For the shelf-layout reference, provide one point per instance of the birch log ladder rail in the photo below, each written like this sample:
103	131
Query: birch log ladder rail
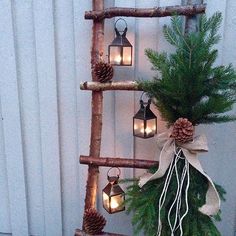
98	15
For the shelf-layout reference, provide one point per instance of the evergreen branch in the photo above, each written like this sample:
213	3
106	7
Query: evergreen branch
170	36
191	86
144	204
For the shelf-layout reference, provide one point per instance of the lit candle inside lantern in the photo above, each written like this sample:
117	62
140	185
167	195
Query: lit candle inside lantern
144	121
113	196
117	59
114	203
148	130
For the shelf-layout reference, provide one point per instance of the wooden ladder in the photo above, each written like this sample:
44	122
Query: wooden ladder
98	15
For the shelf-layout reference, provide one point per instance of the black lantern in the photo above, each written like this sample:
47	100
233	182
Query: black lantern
120	50
144	121
113	196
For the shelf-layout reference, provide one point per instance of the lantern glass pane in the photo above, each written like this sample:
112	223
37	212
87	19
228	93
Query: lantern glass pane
127	56
105	199
115	56
117	203
151	127
139	127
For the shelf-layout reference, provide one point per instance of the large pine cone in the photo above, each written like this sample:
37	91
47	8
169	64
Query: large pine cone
94	222
182	130
103	71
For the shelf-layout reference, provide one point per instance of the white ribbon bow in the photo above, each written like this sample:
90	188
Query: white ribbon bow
190	150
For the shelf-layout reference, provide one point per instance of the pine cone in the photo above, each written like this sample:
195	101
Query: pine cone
182	130
103	71
94	222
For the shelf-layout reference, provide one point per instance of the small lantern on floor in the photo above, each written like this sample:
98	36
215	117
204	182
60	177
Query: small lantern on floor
144	121
120	50
113	196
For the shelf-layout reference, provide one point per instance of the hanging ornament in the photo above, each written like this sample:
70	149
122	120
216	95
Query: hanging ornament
94	222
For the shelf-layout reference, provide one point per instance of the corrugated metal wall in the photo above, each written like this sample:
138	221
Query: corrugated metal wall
45	125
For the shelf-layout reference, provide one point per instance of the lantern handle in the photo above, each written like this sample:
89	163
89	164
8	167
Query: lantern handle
141	97
119	172
142	102
125	29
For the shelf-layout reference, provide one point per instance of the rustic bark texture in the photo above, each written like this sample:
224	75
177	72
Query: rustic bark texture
82	233
187	10
97	107
191	21
98	14
122	85
118	162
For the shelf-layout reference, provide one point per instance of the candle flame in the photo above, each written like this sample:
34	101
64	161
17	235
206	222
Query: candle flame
114	204
118	59
148	130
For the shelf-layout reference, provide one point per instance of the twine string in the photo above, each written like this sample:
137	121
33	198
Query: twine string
181	178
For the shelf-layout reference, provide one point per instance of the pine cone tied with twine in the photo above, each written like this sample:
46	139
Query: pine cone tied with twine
182	130
103	71
94	222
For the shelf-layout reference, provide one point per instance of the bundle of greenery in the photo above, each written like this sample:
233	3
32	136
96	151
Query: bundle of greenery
188	84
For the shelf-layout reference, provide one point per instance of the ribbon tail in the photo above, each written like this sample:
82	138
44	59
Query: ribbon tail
212	205
166	156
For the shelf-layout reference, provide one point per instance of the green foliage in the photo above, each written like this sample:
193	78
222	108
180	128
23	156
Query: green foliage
191	86
143	202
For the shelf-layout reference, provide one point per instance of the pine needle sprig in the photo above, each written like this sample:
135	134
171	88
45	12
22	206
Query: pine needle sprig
143	202
188	84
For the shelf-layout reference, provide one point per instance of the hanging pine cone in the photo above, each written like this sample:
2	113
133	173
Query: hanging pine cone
103	71
94	222
182	130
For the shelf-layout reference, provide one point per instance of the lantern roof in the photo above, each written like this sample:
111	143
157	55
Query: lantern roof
120	39
113	189
145	113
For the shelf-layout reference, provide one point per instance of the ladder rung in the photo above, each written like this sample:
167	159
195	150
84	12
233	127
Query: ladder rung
79	232
186	10
117	162
121	85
